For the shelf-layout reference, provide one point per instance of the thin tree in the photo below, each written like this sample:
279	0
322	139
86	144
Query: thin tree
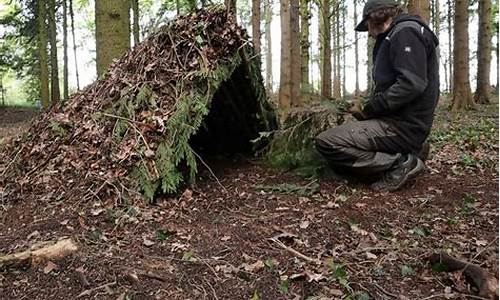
421	8
135	16
462	96
72	16
344	47
326	51
256	25
482	94
369	65
54	68
450	43
65	50
112	25
305	16
337	89
42	53
230	9
295	52
268	12
285	97
356	50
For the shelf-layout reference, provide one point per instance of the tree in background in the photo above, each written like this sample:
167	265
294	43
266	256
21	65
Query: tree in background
135	17
54	68
356	50
462	96
305	16
483	87
112	27
42	53
450	42
268	15
290	55
421	8
325	49
72	17
256	25
65	50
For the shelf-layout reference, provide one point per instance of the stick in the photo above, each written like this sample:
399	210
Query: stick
57	251
210	170
296	253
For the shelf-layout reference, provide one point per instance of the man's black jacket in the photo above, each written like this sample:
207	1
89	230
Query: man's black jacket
406	77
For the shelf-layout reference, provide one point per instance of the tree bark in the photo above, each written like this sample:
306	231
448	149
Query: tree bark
42	54
337	80
369	79
285	98
54	68
135	16
482	94
450	44
256	25
356	50
112	25
268	12
305	14
65	50
462	96
421	8
326	70
231	9
72	16
295	52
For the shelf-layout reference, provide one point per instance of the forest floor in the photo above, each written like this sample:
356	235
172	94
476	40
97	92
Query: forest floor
264	234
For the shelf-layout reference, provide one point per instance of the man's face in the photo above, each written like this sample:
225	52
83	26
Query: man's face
374	30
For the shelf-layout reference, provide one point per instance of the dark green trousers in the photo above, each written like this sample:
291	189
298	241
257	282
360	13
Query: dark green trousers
362	147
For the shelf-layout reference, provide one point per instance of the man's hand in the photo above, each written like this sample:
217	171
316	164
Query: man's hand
356	110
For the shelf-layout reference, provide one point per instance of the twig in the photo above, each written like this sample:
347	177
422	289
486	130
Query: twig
295	252
484	249
13	160
210	170
87	292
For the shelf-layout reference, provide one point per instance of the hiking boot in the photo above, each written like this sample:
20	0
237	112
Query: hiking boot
404	169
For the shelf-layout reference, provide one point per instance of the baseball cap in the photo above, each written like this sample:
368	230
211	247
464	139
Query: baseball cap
369	7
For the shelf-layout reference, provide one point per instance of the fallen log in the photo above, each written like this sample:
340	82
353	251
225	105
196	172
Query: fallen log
28	258
486	283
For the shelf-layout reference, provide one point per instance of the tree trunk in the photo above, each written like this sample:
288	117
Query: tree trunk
369	66
256	25
295	52
462	97
305	15
356	50
482	93
326	70
54	68
72	15
268	11
337	88
42	54
344	47
65	51
421	8
112	25
285	98
135	16
230	9
450	44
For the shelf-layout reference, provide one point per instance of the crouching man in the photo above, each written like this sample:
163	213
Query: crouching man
397	119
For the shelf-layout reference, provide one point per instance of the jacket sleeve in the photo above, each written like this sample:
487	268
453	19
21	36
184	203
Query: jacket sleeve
409	59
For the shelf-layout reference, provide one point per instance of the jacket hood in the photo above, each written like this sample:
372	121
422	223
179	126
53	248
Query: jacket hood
415	18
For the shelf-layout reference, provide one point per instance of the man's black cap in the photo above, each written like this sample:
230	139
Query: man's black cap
369	7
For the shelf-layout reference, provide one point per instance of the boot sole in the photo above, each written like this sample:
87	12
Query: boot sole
417	169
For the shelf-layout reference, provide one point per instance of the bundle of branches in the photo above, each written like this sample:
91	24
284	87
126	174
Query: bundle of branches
291	147
128	134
